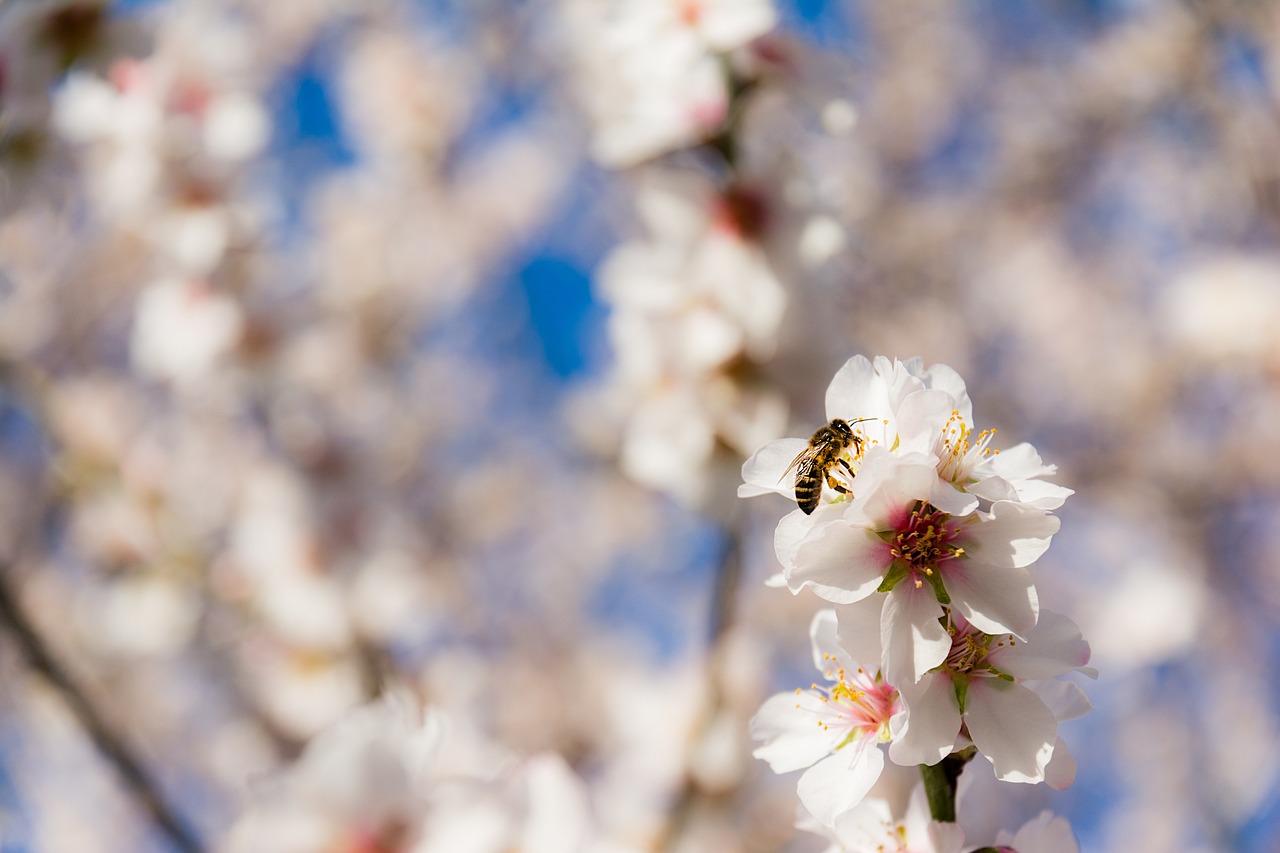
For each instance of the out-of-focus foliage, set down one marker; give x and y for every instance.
(351, 349)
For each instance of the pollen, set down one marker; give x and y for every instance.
(961, 449)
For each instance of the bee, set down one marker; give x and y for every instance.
(813, 464)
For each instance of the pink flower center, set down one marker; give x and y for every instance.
(859, 702)
(924, 540)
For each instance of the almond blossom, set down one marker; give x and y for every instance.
(652, 73)
(871, 826)
(914, 410)
(980, 694)
(832, 729)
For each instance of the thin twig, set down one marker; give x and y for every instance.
(112, 746)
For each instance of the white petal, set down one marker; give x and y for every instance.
(1011, 536)
(944, 378)
(951, 500)
(1064, 698)
(856, 391)
(1061, 771)
(1053, 647)
(1011, 727)
(762, 473)
(836, 784)
(822, 636)
(787, 728)
(792, 530)
(859, 630)
(1045, 833)
(945, 837)
(913, 639)
(841, 563)
(925, 730)
(921, 418)
(996, 601)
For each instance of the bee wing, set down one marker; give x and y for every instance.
(794, 462)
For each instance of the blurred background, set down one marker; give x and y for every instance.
(351, 348)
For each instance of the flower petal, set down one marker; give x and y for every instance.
(995, 601)
(763, 472)
(1045, 833)
(1011, 536)
(859, 630)
(1011, 727)
(1053, 647)
(790, 738)
(841, 563)
(857, 391)
(1061, 770)
(925, 730)
(913, 639)
(836, 784)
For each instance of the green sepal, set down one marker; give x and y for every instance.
(961, 684)
(897, 571)
(939, 589)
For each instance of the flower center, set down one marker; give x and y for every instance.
(858, 702)
(970, 647)
(961, 451)
(925, 540)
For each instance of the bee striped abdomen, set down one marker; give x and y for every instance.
(809, 476)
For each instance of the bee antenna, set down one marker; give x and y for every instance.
(860, 420)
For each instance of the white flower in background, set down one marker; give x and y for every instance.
(870, 826)
(652, 71)
(537, 806)
(980, 694)
(692, 303)
(183, 330)
(1044, 833)
(834, 730)
(360, 785)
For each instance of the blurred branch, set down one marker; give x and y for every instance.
(110, 744)
(724, 597)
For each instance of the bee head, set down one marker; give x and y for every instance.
(841, 428)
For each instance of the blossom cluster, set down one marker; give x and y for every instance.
(923, 538)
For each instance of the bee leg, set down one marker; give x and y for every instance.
(838, 486)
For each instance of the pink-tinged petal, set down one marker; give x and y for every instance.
(1012, 536)
(925, 730)
(763, 472)
(1011, 727)
(995, 601)
(1053, 648)
(840, 563)
(1065, 699)
(889, 486)
(1045, 833)
(859, 630)
(787, 728)
(1061, 770)
(921, 418)
(836, 784)
(913, 639)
